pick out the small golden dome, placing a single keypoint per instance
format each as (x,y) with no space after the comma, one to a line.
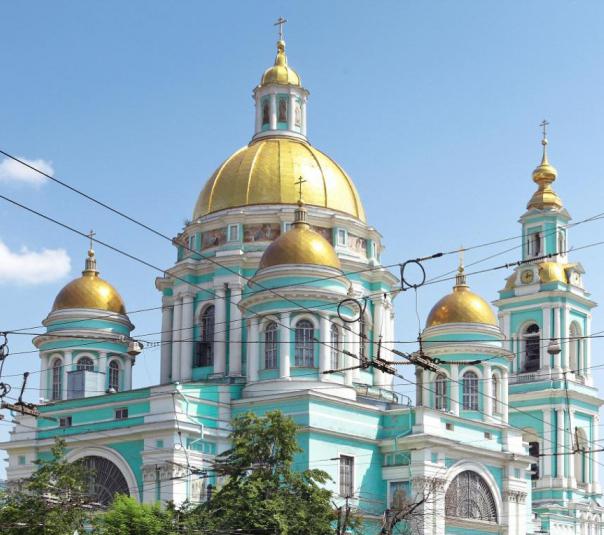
(90,291)
(300,245)
(280,73)
(265,171)
(543,176)
(552,272)
(461,306)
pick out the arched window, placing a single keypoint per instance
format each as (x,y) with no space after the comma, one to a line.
(335,346)
(469,496)
(85,364)
(266,113)
(534,244)
(114,375)
(440,392)
(270,346)
(304,346)
(57,379)
(470,391)
(105,479)
(204,348)
(574,348)
(580,457)
(561,243)
(496,394)
(532,348)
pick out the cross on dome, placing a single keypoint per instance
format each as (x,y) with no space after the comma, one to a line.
(91,236)
(299,183)
(280,22)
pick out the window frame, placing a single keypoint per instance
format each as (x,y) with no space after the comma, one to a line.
(87,366)
(121,413)
(204,347)
(346,476)
(440,392)
(470,389)
(335,350)
(271,352)
(113,375)
(304,345)
(56,392)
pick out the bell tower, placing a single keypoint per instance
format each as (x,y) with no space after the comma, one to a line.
(545,315)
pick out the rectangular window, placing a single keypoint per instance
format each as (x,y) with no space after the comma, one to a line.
(191,243)
(346,475)
(121,414)
(341,237)
(233,232)
(65,421)
(282,110)
(21,459)
(286,227)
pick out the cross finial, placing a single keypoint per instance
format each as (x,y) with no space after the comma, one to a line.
(544,124)
(91,236)
(299,183)
(461,255)
(280,22)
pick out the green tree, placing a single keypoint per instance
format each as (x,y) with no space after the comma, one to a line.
(262,493)
(127,516)
(53,501)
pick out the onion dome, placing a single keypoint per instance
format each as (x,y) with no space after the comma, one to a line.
(552,272)
(300,245)
(461,306)
(280,73)
(265,171)
(90,291)
(545,197)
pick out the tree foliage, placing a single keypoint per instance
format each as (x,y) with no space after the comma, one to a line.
(262,492)
(52,501)
(127,516)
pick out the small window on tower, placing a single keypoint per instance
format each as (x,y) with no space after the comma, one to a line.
(233,232)
(534,452)
(341,237)
(266,112)
(121,413)
(282,114)
(65,421)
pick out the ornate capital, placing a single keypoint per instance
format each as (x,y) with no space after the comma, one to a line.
(514,496)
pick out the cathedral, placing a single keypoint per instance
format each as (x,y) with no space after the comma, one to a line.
(277,300)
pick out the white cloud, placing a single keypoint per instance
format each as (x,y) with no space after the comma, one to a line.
(12,171)
(31,267)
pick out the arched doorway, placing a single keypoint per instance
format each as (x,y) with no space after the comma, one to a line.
(105,479)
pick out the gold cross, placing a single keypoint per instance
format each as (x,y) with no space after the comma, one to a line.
(461,254)
(299,183)
(280,22)
(544,124)
(91,235)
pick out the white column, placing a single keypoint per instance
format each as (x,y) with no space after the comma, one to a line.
(235,328)
(325,347)
(560,441)
(378,331)
(304,117)
(45,375)
(564,334)
(128,372)
(186,344)
(284,345)
(488,390)
(558,357)
(104,370)
(505,396)
(505,327)
(426,388)
(547,445)
(220,328)
(594,465)
(252,350)
(587,351)
(547,334)
(258,115)
(176,337)
(67,367)
(356,349)
(454,384)
(348,360)
(571,440)
(166,342)
(273,111)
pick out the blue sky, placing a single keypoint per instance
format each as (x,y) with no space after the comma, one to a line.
(432,108)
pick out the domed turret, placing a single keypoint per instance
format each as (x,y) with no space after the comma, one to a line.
(300,245)
(90,291)
(461,306)
(545,173)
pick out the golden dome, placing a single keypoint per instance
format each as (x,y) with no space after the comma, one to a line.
(265,171)
(461,306)
(300,245)
(552,272)
(544,175)
(280,72)
(90,291)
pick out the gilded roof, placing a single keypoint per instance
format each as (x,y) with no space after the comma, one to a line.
(280,72)
(265,172)
(300,245)
(90,291)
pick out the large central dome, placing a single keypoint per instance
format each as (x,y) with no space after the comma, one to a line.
(265,172)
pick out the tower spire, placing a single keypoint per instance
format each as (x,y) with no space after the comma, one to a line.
(90,264)
(545,173)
